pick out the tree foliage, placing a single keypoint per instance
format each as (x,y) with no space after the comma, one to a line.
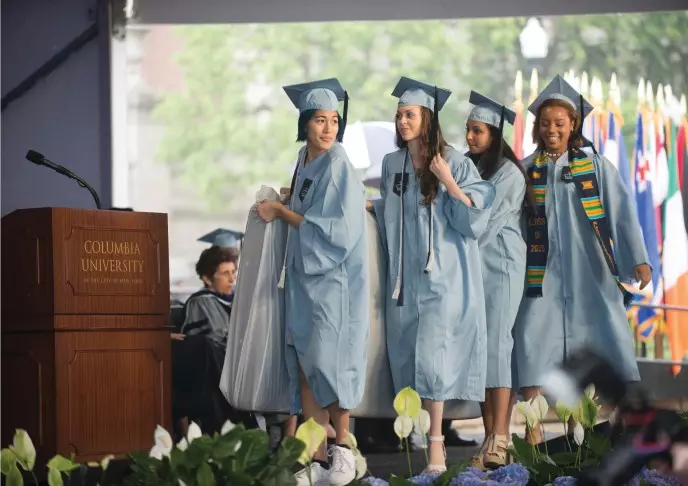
(232,126)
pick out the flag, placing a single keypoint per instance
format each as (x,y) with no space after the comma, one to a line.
(660,177)
(675,256)
(615,150)
(648,319)
(518,130)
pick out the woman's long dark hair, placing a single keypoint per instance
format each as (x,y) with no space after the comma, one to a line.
(429,184)
(491,160)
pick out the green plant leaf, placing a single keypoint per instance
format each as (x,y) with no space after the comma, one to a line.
(7,460)
(255,449)
(598,444)
(397,481)
(198,452)
(523,451)
(204,475)
(54,477)
(224,448)
(62,464)
(563,458)
(588,412)
(23,448)
(14,477)
(289,452)
(589,462)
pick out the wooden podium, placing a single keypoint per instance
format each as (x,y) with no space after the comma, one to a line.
(85,344)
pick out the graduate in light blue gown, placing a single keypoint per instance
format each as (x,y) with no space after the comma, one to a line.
(503,256)
(326,287)
(584,241)
(433,208)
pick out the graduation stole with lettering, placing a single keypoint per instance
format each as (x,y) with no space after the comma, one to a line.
(580,172)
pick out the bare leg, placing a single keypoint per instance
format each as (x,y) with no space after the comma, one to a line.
(436,449)
(500,400)
(290,426)
(331,434)
(533,436)
(510,413)
(320,415)
(486,412)
(340,419)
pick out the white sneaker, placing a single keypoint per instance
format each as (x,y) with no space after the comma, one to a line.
(343,468)
(319,476)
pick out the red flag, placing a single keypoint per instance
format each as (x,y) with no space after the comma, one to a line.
(519,127)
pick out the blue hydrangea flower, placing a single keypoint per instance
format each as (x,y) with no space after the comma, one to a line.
(424,479)
(375,481)
(565,481)
(656,478)
(512,474)
(470,477)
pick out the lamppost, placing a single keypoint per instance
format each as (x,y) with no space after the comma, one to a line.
(534,44)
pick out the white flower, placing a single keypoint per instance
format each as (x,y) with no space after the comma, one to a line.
(590,391)
(403,425)
(578,434)
(237,446)
(183,444)
(181,483)
(527,413)
(422,422)
(163,443)
(227,427)
(194,432)
(540,407)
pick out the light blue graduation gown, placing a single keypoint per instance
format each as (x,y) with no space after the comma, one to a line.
(581,304)
(436,339)
(503,256)
(327,310)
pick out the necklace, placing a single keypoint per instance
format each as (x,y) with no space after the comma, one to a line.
(554,156)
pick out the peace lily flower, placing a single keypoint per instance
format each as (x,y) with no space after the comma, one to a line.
(227,427)
(563,412)
(403,425)
(312,434)
(361,465)
(407,402)
(578,434)
(590,391)
(540,407)
(194,432)
(422,422)
(163,443)
(183,444)
(527,412)
(23,449)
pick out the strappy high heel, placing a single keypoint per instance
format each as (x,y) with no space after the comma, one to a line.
(477,459)
(434,468)
(496,453)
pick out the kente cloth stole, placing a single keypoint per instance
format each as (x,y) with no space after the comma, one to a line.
(580,172)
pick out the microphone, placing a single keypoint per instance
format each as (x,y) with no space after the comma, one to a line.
(39,159)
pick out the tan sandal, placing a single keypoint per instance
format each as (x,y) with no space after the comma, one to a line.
(477,459)
(496,454)
(434,468)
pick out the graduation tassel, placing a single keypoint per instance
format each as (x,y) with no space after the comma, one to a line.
(434,129)
(434,150)
(344,117)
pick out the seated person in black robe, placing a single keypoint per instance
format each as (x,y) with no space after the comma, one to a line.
(198,353)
